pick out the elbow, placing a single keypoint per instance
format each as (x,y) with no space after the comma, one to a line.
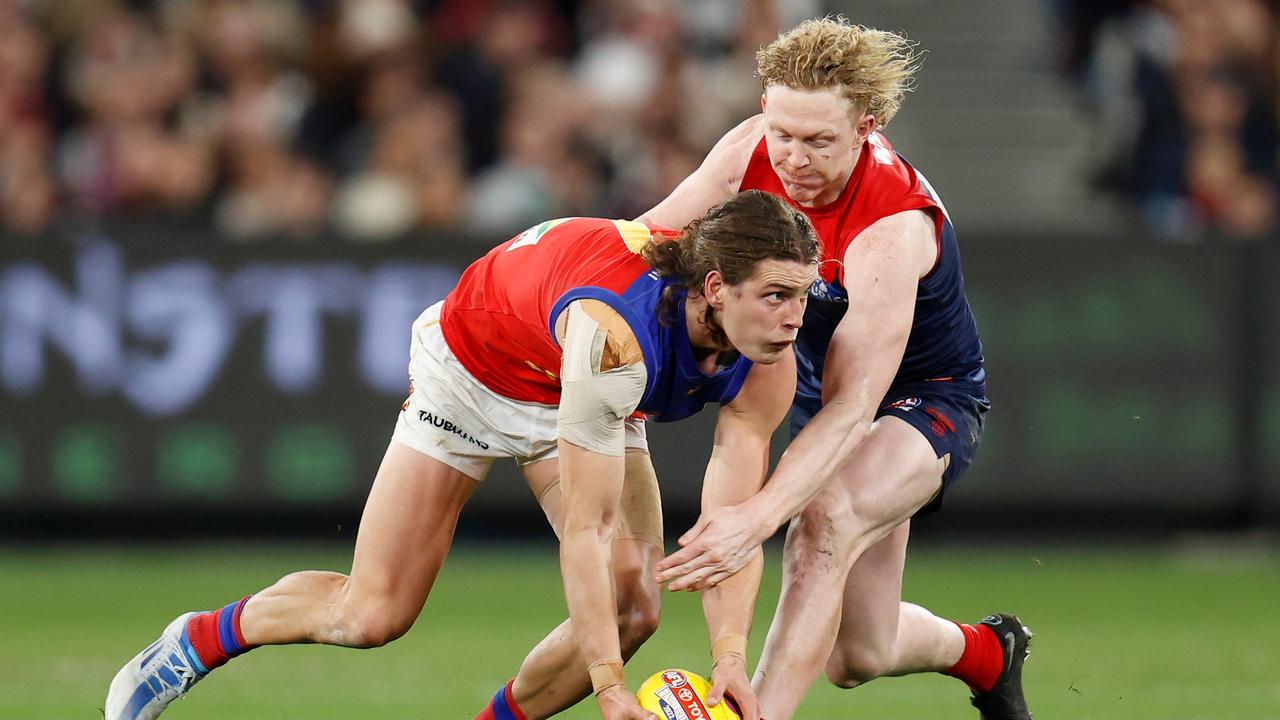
(849,409)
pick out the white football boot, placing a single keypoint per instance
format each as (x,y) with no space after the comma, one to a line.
(155,677)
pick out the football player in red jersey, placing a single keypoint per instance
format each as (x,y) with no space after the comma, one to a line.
(891,390)
(553,349)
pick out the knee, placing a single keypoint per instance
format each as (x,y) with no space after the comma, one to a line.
(851,667)
(367,621)
(822,532)
(639,611)
(373,627)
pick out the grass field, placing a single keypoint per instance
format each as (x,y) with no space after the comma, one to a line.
(1120,633)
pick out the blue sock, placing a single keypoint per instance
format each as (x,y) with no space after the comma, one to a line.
(504,705)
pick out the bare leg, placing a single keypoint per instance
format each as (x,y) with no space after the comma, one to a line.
(890,476)
(405,533)
(880,635)
(553,676)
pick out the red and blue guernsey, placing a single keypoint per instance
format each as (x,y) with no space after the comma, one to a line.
(943,344)
(500,319)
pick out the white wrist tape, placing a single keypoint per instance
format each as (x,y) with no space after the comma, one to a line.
(594,404)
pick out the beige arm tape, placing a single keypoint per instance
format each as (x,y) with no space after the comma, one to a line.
(732,645)
(594,403)
(640,512)
(606,674)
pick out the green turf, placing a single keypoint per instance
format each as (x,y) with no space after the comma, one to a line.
(1120,634)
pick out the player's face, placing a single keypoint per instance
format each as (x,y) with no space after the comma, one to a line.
(813,141)
(762,315)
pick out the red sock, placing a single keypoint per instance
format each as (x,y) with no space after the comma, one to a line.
(502,706)
(982,660)
(215,636)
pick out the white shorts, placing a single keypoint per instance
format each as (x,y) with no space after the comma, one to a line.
(453,418)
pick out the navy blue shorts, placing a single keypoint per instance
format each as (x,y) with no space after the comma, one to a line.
(948,414)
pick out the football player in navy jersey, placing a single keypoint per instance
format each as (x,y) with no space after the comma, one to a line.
(891,391)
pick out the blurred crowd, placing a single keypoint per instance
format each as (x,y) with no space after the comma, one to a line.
(1183,97)
(368,118)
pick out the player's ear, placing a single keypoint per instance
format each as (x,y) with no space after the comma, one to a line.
(762,102)
(867,124)
(713,289)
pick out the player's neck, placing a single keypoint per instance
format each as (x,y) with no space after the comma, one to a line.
(704,342)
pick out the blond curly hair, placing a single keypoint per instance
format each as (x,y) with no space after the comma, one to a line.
(874,69)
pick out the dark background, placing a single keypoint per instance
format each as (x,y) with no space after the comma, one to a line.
(219,217)
(1130,380)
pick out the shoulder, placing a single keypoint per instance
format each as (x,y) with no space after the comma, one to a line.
(730,156)
(908,235)
(890,173)
(620,347)
(748,131)
(907,222)
(715,180)
(743,139)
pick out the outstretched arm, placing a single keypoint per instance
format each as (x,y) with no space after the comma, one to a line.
(739,462)
(599,389)
(592,487)
(882,266)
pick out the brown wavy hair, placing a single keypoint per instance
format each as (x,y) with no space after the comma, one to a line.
(733,237)
(873,69)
